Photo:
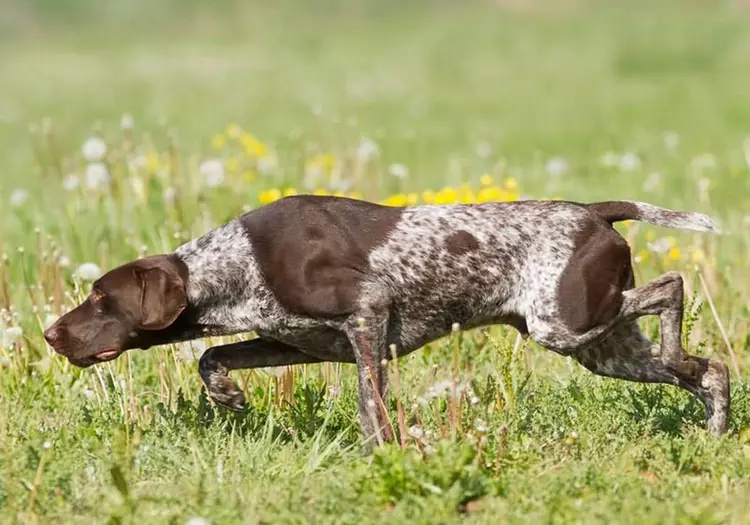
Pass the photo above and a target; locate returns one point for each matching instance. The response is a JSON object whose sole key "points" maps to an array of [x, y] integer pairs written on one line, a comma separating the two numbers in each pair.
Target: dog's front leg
{"points": [[367, 333], [216, 362]]}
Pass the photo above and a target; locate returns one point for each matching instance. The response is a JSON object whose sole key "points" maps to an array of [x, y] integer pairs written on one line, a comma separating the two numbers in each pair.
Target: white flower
{"points": [[18, 197], [63, 261], [49, 320], [652, 183], [94, 149], [266, 164], [47, 445], [10, 335], [197, 520], [126, 121], [213, 171], [169, 195], [671, 140], [484, 150], [480, 426], [609, 159], [398, 170], [556, 166], [704, 161], [88, 272], [137, 162], [97, 175], [629, 162], [660, 245], [70, 182], [366, 149]]}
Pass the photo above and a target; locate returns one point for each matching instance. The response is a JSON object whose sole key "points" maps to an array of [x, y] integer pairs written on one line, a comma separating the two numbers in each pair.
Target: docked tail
{"points": [[613, 211]]}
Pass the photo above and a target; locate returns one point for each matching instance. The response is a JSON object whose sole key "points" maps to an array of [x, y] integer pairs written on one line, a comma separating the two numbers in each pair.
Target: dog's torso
{"points": [[296, 270]]}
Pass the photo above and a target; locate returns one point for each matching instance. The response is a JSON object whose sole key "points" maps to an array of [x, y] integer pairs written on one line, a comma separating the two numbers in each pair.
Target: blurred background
{"points": [[443, 87]]}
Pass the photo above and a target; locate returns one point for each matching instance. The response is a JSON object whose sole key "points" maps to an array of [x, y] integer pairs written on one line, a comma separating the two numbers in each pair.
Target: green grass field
{"points": [[234, 104]]}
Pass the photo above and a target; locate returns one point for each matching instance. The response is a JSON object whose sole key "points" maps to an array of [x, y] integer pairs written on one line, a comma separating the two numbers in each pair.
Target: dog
{"points": [[341, 280]]}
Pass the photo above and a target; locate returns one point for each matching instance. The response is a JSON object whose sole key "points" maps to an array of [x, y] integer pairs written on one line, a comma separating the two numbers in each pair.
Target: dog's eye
{"points": [[99, 300]]}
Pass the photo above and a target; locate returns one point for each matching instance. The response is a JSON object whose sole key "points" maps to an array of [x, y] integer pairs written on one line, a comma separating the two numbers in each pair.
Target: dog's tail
{"points": [[614, 211]]}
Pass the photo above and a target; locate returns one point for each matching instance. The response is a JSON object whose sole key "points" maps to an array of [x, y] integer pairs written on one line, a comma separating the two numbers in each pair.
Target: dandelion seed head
{"points": [[94, 149], [97, 175], [18, 197], [88, 271]]}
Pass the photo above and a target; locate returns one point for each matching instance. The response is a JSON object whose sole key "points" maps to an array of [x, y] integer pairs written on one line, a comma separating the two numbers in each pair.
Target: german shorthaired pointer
{"points": [[333, 279]]}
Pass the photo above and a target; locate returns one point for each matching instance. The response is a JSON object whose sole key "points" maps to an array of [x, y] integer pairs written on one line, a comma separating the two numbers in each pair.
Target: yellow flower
{"points": [[642, 256], [321, 191], [446, 196], [290, 191], [232, 164], [355, 195], [673, 254], [698, 255], [253, 147], [428, 197], [233, 131], [268, 196], [218, 142], [412, 199], [250, 175], [511, 183], [152, 161], [398, 199], [486, 180], [324, 162]]}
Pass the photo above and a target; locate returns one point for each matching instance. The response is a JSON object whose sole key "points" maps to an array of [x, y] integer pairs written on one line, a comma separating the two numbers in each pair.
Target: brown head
{"points": [[128, 307]]}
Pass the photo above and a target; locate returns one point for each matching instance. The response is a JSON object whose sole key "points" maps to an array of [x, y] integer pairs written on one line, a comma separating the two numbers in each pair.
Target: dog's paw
{"points": [[225, 392]]}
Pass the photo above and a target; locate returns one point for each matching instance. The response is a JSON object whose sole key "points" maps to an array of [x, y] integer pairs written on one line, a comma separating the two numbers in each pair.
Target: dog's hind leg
{"points": [[216, 362], [625, 353]]}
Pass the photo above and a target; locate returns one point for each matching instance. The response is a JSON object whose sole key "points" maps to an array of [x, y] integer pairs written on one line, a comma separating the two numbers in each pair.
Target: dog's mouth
{"points": [[107, 355]]}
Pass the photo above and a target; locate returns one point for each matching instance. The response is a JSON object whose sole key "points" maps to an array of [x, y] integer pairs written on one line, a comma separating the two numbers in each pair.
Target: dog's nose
{"points": [[52, 335]]}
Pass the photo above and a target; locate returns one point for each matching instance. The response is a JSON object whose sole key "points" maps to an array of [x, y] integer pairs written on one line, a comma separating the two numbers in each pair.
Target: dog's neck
{"points": [[227, 293]]}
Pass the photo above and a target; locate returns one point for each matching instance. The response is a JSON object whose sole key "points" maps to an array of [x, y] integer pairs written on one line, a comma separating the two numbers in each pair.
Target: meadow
{"points": [[129, 128]]}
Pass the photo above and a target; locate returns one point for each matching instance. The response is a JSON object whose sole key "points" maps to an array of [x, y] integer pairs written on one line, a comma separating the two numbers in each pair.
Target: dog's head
{"points": [[124, 310]]}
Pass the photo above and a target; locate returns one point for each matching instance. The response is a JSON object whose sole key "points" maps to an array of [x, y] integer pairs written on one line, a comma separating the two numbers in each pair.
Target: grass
{"points": [[486, 100]]}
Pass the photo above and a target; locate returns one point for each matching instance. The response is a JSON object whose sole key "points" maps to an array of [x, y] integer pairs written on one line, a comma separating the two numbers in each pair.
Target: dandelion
{"points": [[366, 149], [652, 183], [661, 245], [10, 335], [609, 160], [704, 161], [94, 149], [63, 261], [49, 320], [170, 194], [556, 167], [671, 140], [266, 164], [486, 180], [269, 196], [673, 254], [398, 170], [70, 182], [480, 426], [630, 162], [212, 171], [127, 121], [88, 272], [234, 131], [97, 175], [197, 520], [484, 150], [18, 197]]}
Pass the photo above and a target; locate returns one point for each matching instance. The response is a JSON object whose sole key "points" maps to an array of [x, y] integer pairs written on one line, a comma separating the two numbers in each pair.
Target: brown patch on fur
{"points": [[313, 251], [461, 242], [590, 289]]}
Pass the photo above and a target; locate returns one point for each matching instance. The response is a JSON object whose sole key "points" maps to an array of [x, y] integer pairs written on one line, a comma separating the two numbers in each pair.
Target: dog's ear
{"points": [[163, 297]]}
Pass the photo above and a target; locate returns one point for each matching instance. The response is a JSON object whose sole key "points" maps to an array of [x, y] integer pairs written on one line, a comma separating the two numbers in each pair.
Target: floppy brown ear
{"points": [[163, 298]]}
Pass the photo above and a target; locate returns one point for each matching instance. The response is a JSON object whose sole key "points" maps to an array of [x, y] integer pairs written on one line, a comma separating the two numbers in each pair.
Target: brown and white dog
{"points": [[333, 279]]}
